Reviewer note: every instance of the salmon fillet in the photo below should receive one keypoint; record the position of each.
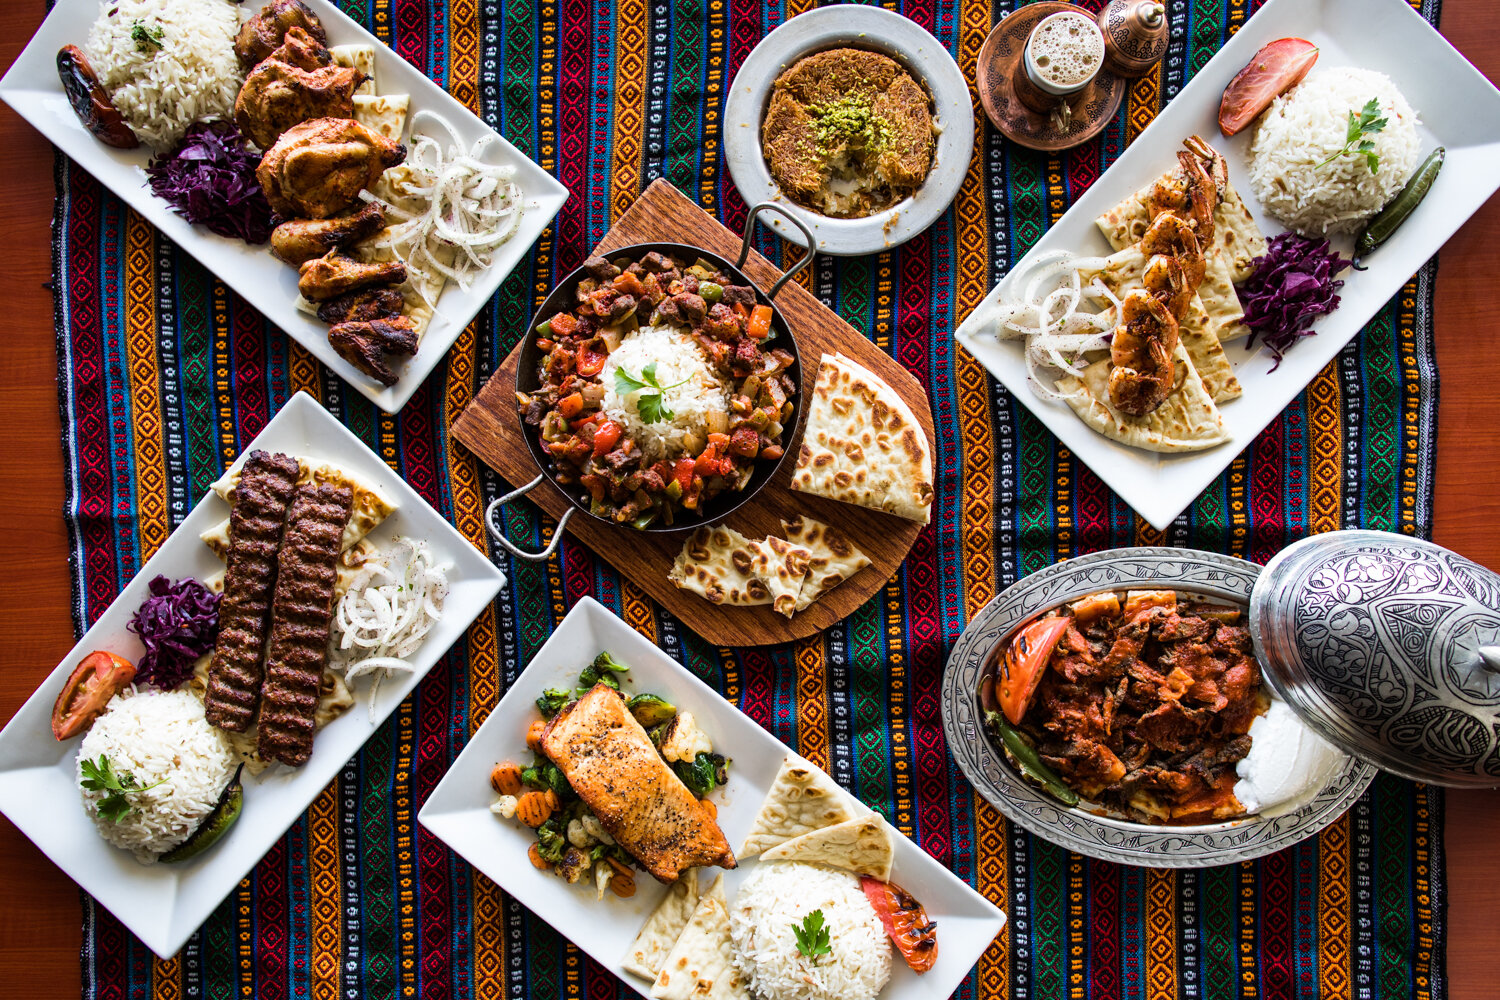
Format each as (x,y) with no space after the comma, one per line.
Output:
(610,762)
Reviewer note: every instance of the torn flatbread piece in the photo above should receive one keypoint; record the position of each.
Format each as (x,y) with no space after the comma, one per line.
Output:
(661,930)
(833,558)
(383,114)
(1187,420)
(701,963)
(863,845)
(803,798)
(1125,272)
(782,568)
(863,444)
(359,57)
(718,564)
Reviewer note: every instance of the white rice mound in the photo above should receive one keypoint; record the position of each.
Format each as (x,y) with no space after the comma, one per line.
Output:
(678,358)
(194,76)
(1303,128)
(157,736)
(776,898)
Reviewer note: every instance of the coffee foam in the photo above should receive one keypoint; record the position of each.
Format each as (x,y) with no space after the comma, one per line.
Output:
(1066,49)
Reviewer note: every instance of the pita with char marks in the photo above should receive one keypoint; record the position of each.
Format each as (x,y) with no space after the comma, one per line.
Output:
(648,955)
(701,964)
(782,567)
(832,560)
(863,444)
(1187,420)
(862,845)
(718,564)
(803,798)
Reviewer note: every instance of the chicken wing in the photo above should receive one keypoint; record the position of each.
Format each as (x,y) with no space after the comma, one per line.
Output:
(264,33)
(301,240)
(363,306)
(366,345)
(317,169)
(336,273)
(295,83)
(609,761)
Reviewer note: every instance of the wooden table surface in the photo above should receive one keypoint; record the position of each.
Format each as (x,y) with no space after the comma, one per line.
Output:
(39,906)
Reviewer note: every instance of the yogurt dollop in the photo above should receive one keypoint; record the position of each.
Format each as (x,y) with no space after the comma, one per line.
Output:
(1287,765)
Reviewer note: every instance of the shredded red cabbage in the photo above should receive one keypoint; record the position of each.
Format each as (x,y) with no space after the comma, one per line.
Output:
(1293,285)
(178,623)
(210,179)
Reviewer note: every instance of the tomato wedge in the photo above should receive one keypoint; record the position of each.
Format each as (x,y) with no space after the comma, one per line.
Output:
(904,920)
(1026,663)
(93,682)
(605,437)
(1276,68)
(590,361)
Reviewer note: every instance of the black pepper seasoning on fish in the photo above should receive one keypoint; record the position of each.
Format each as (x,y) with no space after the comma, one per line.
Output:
(301,613)
(260,499)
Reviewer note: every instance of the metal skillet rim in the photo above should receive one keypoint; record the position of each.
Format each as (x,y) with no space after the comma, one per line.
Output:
(525,372)
(1103,837)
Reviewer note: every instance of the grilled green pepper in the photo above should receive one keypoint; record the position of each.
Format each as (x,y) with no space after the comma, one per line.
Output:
(1390,218)
(1028,759)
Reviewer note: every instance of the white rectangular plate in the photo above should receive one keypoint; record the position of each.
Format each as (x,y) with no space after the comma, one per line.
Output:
(33,89)
(163,904)
(458,811)
(1459,110)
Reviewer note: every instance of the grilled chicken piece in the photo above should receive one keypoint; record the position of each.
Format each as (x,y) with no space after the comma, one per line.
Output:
(301,240)
(301,612)
(317,169)
(296,83)
(267,483)
(264,33)
(364,306)
(610,762)
(365,345)
(336,273)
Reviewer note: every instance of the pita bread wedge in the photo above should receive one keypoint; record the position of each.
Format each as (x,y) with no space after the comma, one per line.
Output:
(662,929)
(383,114)
(802,799)
(782,568)
(863,846)
(360,57)
(833,559)
(371,506)
(1125,273)
(700,965)
(718,564)
(1187,420)
(863,445)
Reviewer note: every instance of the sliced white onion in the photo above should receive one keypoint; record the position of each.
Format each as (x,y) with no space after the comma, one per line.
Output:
(1064,312)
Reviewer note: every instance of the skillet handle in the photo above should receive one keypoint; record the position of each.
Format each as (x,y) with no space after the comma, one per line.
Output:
(492,526)
(801,265)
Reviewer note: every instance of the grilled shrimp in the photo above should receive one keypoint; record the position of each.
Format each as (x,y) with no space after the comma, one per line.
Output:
(1193,190)
(1167,279)
(1141,352)
(1171,236)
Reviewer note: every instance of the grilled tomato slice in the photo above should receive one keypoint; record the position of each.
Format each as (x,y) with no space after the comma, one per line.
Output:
(1277,67)
(93,682)
(905,922)
(1025,663)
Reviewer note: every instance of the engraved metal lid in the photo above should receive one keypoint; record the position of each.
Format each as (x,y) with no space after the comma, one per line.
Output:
(1389,648)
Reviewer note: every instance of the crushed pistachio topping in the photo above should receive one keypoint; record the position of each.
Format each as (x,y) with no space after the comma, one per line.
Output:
(850,120)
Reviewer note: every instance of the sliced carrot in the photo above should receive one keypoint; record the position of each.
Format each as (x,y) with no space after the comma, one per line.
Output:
(505,778)
(534,855)
(535,808)
(534,735)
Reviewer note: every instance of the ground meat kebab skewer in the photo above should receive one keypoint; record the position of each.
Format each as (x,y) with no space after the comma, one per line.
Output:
(300,617)
(267,483)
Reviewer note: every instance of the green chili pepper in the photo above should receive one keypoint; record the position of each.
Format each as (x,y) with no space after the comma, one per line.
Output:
(711,291)
(1390,218)
(1026,756)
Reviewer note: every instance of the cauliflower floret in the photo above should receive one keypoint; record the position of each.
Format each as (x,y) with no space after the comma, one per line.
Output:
(504,806)
(578,834)
(602,874)
(683,740)
(595,829)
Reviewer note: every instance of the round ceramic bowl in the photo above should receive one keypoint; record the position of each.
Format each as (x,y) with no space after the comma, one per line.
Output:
(1207,574)
(879,30)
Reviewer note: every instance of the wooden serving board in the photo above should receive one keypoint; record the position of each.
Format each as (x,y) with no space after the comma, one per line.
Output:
(492,429)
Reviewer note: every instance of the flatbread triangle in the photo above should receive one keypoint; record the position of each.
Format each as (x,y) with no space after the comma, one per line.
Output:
(662,929)
(802,799)
(862,845)
(701,963)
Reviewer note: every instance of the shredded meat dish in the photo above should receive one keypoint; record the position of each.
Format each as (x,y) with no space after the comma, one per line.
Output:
(1146,708)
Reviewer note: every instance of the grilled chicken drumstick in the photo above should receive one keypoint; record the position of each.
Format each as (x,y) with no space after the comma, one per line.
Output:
(301,240)
(336,273)
(361,307)
(264,33)
(366,344)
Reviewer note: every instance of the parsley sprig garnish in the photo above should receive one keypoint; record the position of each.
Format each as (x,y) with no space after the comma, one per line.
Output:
(147,38)
(812,936)
(1368,121)
(648,404)
(99,776)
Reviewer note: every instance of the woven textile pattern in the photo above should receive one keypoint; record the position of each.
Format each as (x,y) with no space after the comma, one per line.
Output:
(164,375)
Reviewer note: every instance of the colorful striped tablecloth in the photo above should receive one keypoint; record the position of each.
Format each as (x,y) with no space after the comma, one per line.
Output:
(164,375)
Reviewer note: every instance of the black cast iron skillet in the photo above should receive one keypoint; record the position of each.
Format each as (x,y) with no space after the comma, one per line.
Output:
(528,379)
